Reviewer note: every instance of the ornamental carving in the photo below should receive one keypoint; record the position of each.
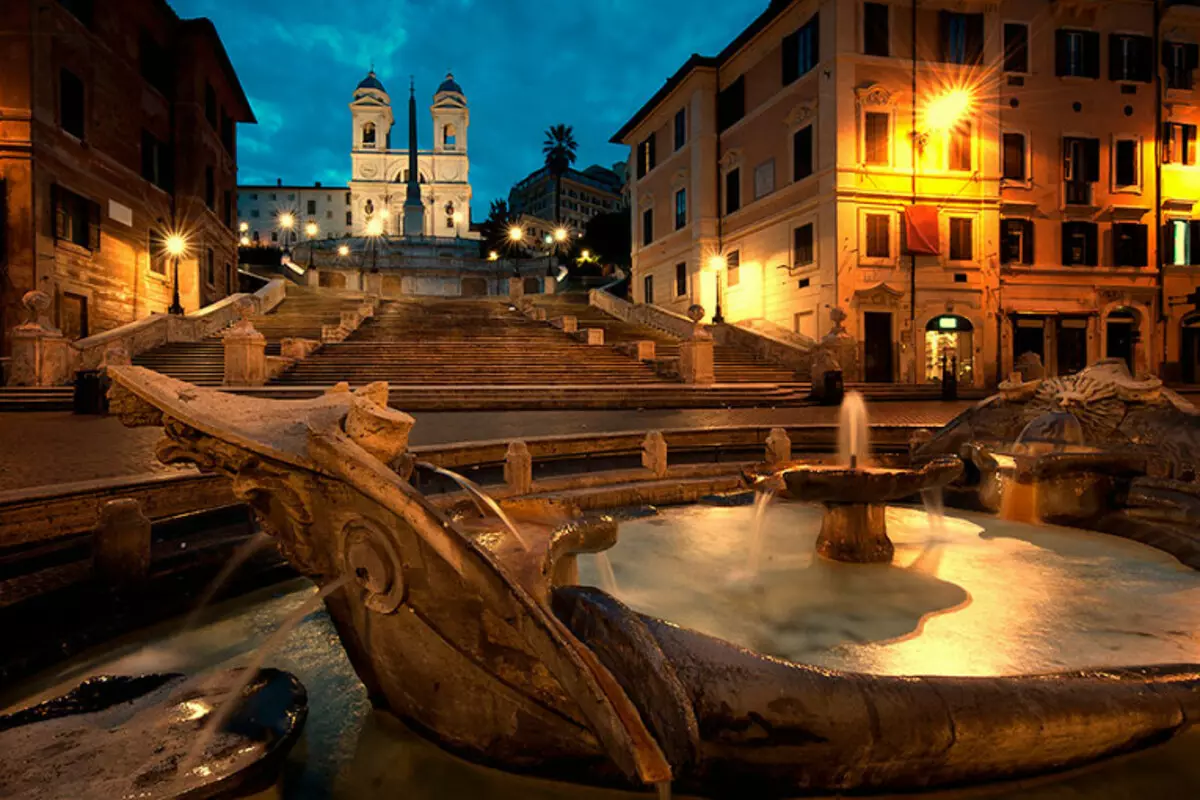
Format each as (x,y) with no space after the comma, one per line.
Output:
(731,158)
(872,94)
(801,113)
(880,295)
(367,170)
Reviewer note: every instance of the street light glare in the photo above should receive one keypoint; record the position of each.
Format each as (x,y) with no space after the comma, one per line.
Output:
(286,221)
(344,251)
(716,262)
(586,254)
(948,109)
(244,241)
(375,227)
(560,234)
(311,229)
(515,233)
(493,256)
(176,244)
(243,227)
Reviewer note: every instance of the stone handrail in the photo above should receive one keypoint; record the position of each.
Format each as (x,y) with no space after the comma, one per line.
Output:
(778,346)
(642,314)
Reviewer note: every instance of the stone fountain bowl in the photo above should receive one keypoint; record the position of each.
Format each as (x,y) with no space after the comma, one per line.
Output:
(820,483)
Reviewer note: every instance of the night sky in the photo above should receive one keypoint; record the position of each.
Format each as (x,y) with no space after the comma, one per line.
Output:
(523,64)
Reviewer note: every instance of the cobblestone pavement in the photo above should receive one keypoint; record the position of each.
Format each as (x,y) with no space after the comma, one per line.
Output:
(43,448)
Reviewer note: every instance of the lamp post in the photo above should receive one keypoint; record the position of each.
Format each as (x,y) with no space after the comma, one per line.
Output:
(515,237)
(374,231)
(310,231)
(287,222)
(176,247)
(718,264)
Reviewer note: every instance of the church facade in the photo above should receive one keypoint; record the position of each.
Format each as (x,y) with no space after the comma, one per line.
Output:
(380,164)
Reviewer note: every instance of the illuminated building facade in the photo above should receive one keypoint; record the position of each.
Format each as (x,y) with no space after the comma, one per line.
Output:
(1014,178)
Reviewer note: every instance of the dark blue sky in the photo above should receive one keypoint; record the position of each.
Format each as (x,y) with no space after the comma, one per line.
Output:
(524,65)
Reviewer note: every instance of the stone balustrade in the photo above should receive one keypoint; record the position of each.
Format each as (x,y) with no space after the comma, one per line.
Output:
(652,316)
(593,336)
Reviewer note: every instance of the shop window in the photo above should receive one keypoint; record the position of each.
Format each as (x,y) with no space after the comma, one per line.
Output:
(949,344)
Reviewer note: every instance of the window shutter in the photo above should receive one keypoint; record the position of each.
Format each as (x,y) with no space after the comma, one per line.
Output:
(1091,54)
(94,227)
(1092,148)
(791,57)
(1140,248)
(1191,55)
(1067,229)
(60,213)
(1027,241)
(974,38)
(1194,241)
(1089,233)
(943,35)
(1115,62)
(1061,62)
(815,22)
(1143,59)
(1188,145)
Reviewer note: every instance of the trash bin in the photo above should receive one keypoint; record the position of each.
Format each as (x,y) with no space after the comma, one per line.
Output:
(91,392)
(834,388)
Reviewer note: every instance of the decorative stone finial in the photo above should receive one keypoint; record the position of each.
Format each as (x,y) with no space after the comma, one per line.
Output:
(695,312)
(36,305)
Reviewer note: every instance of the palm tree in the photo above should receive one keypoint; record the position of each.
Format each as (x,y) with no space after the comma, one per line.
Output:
(559,149)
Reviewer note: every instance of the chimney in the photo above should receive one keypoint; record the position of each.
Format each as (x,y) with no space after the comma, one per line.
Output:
(279,181)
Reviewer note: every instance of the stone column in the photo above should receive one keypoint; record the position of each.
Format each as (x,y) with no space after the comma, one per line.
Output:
(245,356)
(121,543)
(518,468)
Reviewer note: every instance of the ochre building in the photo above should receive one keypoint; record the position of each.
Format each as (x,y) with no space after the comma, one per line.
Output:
(968,180)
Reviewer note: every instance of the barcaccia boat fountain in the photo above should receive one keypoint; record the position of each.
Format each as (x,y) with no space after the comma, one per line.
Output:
(486,644)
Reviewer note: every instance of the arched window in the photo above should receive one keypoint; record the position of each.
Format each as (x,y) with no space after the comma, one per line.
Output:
(449,135)
(368,134)
(950,339)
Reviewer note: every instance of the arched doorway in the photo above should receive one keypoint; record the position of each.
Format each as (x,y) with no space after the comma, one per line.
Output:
(1120,333)
(533,286)
(1189,352)
(950,338)
(473,287)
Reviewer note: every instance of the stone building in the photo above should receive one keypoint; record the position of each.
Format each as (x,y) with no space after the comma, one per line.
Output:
(980,180)
(118,124)
(260,205)
(379,172)
(586,193)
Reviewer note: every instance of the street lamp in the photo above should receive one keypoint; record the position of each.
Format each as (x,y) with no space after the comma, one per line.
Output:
(176,246)
(244,241)
(243,227)
(310,230)
(344,250)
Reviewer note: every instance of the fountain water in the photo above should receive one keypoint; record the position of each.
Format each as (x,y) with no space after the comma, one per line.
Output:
(482,499)
(754,557)
(608,578)
(240,556)
(854,432)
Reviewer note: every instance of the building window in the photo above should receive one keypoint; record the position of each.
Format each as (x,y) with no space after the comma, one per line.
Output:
(76,219)
(879,242)
(647,226)
(1178,143)
(876,144)
(70,104)
(210,270)
(1014,157)
(1125,171)
(155,63)
(680,209)
(801,50)
(1181,242)
(680,128)
(961,37)
(1129,57)
(449,136)
(961,240)
(733,268)
(227,207)
(227,133)
(347,198)
(210,187)
(802,245)
(1079,243)
(210,107)
(157,247)
(274,236)
(764,178)
(229,284)
(156,163)
(875,29)
(733,190)
(802,153)
(1129,244)
(1081,168)
(648,289)
(645,156)
(349,218)
(1180,61)
(680,279)
(1077,53)
(960,147)
(82,10)
(1016,47)
(731,103)
(368,134)
(1016,241)
(312,207)
(254,213)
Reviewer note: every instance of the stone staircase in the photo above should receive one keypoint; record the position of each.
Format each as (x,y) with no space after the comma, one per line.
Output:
(730,364)
(437,342)
(36,398)
(301,314)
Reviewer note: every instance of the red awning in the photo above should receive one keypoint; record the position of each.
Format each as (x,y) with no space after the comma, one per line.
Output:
(921,230)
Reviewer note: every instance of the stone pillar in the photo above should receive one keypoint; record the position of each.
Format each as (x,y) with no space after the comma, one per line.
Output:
(518,468)
(245,356)
(40,357)
(696,361)
(595,335)
(121,543)
(654,453)
(568,323)
(549,285)
(539,314)
(312,277)
(645,350)
(366,310)
(516,288)
(779,447)
(373,283)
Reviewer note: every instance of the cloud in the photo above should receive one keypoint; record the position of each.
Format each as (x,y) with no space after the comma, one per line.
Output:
(524,65)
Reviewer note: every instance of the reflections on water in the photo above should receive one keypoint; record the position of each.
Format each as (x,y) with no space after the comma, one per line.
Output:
(482,499)
(975,596)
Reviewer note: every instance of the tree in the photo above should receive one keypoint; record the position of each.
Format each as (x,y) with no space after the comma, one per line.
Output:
(559,150)
(609,238)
